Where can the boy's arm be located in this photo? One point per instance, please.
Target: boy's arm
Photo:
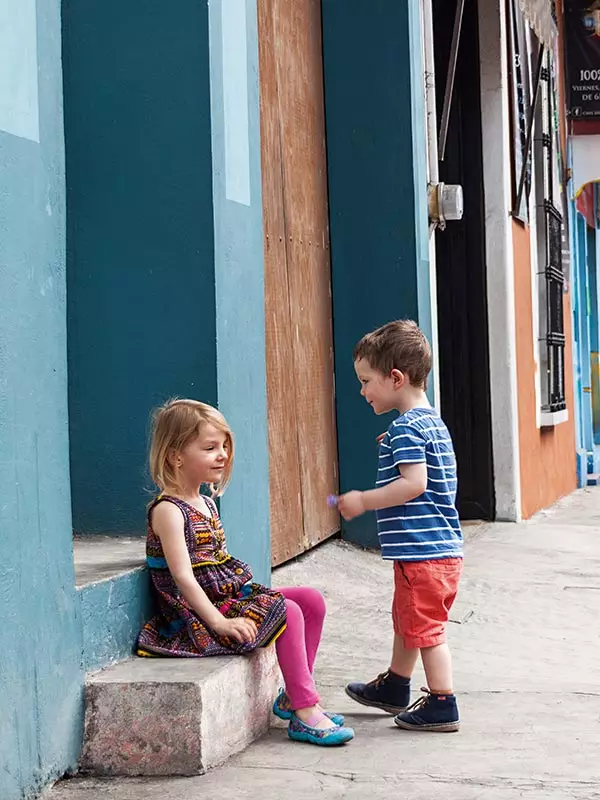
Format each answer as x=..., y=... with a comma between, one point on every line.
x=411, y=484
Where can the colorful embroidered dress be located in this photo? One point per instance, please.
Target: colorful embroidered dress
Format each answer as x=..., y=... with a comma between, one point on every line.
x=177, y=630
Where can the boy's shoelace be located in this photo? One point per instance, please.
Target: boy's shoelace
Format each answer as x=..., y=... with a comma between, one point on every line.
x=379, y=680
x=422, y=701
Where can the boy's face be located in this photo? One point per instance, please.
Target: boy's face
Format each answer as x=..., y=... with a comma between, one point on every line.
x=379, y=390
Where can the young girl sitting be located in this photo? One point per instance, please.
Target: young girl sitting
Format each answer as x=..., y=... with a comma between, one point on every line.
x=207, y=602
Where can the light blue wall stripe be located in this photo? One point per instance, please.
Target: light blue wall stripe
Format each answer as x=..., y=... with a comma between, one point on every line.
x=235, y=101
x=239, y=279
x=419, y=137
x=19, y=108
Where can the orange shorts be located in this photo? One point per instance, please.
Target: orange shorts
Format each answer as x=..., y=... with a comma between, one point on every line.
x=423, y=596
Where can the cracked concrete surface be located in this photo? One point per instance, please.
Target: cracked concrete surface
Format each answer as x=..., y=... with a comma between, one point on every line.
x=526, y=647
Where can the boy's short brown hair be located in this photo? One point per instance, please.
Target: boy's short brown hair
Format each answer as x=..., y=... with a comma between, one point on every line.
x=398, y=345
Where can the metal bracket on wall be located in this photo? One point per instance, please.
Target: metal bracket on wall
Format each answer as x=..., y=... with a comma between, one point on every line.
x=460, y=7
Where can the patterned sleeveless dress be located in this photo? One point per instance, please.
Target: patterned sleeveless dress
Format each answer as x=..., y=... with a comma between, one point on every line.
x=176, y=630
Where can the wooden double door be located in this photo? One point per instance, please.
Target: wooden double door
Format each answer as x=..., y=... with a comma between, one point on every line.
x=298, y=308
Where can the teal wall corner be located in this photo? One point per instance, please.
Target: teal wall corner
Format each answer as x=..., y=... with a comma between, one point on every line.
x=141, y=297
x=376, y=138
x=239, y=276
x=41, y=679
x=113, y=612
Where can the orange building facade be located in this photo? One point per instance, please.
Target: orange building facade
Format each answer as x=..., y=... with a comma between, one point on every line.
x=547, y=460
x=528, y=256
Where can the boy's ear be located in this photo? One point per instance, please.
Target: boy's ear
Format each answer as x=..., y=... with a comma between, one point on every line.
x=399, y=378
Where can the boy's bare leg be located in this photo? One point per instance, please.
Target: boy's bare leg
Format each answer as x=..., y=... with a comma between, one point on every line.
x=403, y=660
x=437, y=663
x=437, y=711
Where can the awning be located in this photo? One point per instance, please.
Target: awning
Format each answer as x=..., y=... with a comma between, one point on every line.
x=540, y=16
x=586, y=161
x=586, y=205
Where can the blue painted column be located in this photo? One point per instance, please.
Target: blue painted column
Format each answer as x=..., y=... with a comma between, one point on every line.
x=239, y=274
x=376, y=150
x=592, y=235
x=40, y=671
x=580, y=454
x=586, y=444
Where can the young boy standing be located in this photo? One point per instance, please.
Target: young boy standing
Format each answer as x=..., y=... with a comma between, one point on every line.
x=417, y=522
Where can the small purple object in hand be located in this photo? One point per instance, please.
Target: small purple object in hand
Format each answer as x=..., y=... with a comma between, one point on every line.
x=332, y=500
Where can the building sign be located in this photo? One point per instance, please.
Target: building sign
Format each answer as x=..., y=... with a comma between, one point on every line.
x=582, y=27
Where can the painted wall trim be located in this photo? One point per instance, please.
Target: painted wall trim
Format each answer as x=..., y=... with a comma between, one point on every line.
x=499, y=255
x=235, y=101
x=430, y=110
x=424, y=245
x=239, y=277
x=19, y=91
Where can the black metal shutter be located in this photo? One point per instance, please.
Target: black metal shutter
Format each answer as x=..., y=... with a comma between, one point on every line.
x=552, y=331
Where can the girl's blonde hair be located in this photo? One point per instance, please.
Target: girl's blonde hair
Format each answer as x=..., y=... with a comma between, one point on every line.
x=175, y=425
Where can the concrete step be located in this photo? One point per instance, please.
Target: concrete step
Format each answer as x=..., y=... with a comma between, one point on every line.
x=178, y=716
x=593, y=479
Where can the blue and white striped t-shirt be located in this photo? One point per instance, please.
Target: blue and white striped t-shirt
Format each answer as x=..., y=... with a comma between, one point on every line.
x=428, y=526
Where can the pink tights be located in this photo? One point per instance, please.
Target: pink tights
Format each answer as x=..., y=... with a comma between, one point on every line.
x=298, y=644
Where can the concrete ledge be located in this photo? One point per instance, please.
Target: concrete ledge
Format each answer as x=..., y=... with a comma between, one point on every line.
x=176, y=716
x=99, y=558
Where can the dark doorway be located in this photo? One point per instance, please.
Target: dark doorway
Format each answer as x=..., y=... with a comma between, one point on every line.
x=461, y=270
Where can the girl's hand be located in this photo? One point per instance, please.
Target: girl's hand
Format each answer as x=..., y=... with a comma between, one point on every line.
x=241, y=629
x=351, y=505
x=168, y=524
x=380, y=438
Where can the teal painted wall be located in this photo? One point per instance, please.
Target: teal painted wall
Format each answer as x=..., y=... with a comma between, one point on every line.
x=140, y=244
x=165, y=262
x=239, y=270
x=113, y=612
x=377, y=199
x=40, y=673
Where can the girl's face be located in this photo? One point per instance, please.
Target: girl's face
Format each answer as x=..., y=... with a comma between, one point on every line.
x=203, y=460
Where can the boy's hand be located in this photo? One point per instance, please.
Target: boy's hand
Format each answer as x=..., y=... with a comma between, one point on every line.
x=351, y=505
x=380, y=438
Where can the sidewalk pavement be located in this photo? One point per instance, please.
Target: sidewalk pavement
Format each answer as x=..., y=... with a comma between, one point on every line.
x=526, y=645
